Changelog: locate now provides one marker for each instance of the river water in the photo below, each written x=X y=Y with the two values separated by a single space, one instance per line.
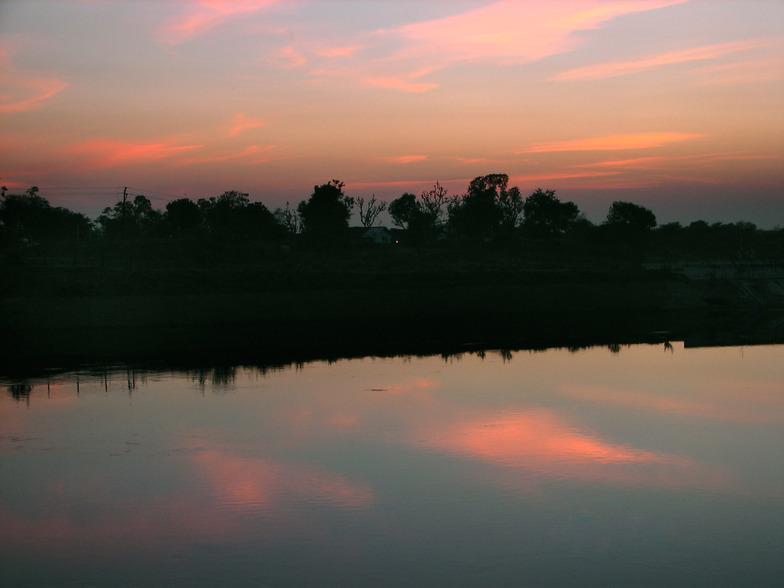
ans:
x=643 y=465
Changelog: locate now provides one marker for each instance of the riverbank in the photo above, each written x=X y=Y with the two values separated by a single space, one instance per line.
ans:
x=382 y=315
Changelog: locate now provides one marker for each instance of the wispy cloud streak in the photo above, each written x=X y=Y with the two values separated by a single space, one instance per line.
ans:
x=242 y=123
x=612 y=142
x=623 y=68
x=506 y=32
x=102 y=153
x=200 y=16
x=21 y=91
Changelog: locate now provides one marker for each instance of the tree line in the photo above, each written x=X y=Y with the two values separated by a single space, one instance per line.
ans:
x=489 y=214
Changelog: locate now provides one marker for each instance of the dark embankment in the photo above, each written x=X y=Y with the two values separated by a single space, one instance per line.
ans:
x=55 y=315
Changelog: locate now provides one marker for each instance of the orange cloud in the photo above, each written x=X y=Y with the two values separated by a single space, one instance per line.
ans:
x=658 y=162
x=613 y=142
x=559 y=175
x=399 y=84
x=403 y=159
x=242 y=123
x=204 y=15
x=746 y=72
x=469 y=160
x=22 y=91
x=623 y=68
x=106 y=153
x=246 y=152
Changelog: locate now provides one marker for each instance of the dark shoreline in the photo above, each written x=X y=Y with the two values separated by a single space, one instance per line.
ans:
x=283 y=327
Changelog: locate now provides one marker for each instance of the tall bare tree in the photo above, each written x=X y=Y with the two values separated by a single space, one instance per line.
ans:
x=369 y=210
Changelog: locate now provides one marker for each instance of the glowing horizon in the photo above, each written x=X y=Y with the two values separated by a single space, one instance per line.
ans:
x=674 y=104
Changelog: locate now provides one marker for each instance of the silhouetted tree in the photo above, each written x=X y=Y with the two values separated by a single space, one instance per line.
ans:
x=628 y=227
x=182 y=217
x=256 y=222
x=511 y=203
x=422 y=218
x=131 y=219
x=488 y=210
x=434 y=203
x=368 y=214
x=233 y=216
x=288 y=219
x=326 y=213
x=631 y=216
x=545 y=215
x=221 y=213
x=402 y=209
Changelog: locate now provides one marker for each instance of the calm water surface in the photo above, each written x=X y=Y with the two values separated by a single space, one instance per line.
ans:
x=644 y=466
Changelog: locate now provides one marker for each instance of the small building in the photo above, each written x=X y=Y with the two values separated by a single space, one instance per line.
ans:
x=378 y=235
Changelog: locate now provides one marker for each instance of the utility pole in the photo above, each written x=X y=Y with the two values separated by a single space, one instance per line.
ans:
x=122 y=218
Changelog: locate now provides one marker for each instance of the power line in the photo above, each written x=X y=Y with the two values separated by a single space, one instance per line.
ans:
x=145 y=192
x=82 y=189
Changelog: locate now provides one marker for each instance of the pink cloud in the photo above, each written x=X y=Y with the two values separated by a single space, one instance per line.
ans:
x=612 y=142
x=347 y=51
x=622 y=68
x=21 y=91
x=288 y=58
x=200 y=16
x=512 y=31
x=504 y=32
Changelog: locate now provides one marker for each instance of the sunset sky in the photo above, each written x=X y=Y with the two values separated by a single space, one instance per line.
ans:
x=677 y=105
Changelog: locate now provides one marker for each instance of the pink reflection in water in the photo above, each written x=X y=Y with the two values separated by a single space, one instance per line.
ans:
x=742 y=402
x=540 y=443
x=258 y=483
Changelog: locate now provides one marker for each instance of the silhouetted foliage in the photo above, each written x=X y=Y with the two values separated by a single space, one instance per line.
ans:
x=627 y=229
x=488 y=210
x=221 y=214
x=29 y=219
x=230 y=229
x=545 y=215
x=403 y=209
x=630 y=216
x=233 y=216
x=183 y=217
x=326 y=213
x=131 y=219
x=422 y=218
